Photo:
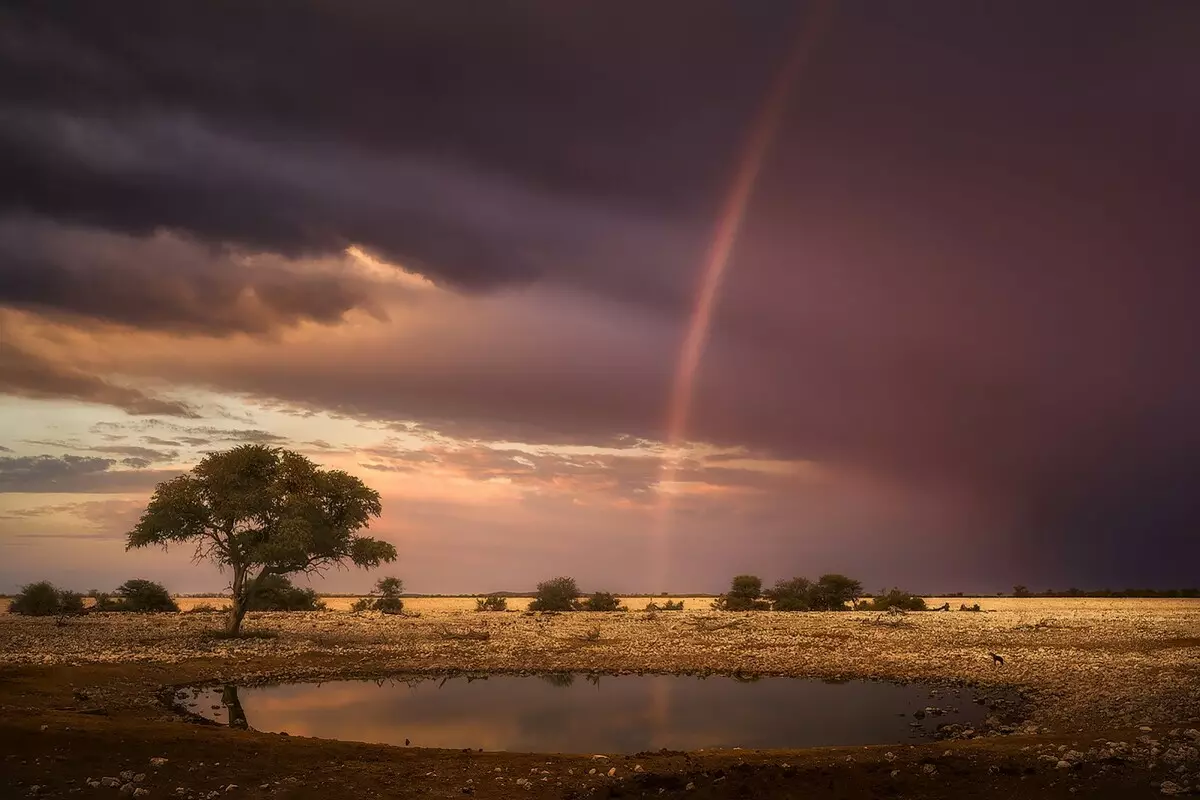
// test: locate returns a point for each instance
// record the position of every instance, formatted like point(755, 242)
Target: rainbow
point(716, 260)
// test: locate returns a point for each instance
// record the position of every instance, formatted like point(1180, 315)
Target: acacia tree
point(262, 511)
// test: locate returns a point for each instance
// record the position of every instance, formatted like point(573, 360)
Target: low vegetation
point(894, 599)
point(602, 601)
point(556, 594)
point(44, 599)
point(670, 605)
point(278, 593)
point(136, 595)
point(385, 598)
point(745, 594)
point(830, 592)
point(491, 603)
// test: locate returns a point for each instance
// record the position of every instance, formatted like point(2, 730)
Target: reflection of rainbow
point(716, 262)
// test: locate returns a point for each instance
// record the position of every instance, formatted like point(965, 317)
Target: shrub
point(103, 601)
point(601, 601)
point(670, 605)
point(43, 599)
point(745, 594)
point(491, 603)
point(832, 592)
point(278, 593)
point(385, 597)
point(203, 608)
point(70, 602)
point(793, 595)
point(138, 594)
point(896, 598)
point(556, 594)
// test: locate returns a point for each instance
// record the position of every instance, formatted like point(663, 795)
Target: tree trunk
point(237, 613)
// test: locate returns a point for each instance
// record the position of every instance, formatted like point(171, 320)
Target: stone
point(109, 782)
point(141, 776)
point(1170, 787)
point(157, 761)
point(612, 771)
point(140, 792)
point(128, 789)
point(1063, 765)
point(127, 775)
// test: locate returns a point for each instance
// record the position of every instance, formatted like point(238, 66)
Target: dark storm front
point(572, 713)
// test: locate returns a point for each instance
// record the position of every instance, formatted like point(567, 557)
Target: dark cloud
point(131, 451)
point(165, 442)
point(25, 374)
point(35, 473)
point(195, 435)
point(74, 474)
point(968, 265)
point(165, 282)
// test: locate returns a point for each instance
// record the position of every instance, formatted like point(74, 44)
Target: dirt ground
point(1112, 705)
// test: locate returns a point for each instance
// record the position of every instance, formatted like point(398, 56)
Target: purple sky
point(454, 248)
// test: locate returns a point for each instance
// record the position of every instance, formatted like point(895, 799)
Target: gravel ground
point(1081, 663)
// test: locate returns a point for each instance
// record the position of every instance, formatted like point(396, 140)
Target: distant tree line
point(1023, 591)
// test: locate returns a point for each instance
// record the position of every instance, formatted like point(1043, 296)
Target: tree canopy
point(261, 511)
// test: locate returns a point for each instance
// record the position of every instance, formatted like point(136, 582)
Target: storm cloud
point(968, 267)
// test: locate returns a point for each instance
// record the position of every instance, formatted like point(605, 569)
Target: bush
point(70, 602)
point(278, 593)
point(103, 601)
point(896, 598)
point(793, 595)
point(745, 594)
point(43, 599)
point(602, 601)
point(385, 597)
point(491, 603)
point(140, 595)
point(834, 592)
point(556, 594)
point(670, 605)
point(203, 608)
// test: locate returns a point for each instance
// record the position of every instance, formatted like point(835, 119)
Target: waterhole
point(584, 713)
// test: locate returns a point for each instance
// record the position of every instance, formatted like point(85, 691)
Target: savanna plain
point(1096, 697)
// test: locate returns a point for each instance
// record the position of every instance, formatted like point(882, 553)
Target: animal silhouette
point(997, 661)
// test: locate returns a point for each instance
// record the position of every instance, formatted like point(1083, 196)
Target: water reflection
point(233, 706)
point(558, 712)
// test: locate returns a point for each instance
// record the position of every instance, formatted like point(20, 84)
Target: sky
point(460, 250)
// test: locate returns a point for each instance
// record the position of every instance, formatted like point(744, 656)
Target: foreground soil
point(1112, 703)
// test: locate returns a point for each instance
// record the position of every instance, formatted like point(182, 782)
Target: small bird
point(997, 660)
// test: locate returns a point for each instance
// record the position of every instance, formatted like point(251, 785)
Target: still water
point(568, 713)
